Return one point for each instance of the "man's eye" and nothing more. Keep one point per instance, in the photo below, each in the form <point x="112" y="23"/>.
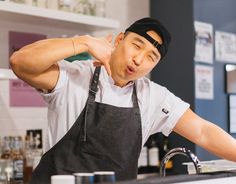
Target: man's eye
<point x="136" y="45"/>
<point x="151" y="58"/>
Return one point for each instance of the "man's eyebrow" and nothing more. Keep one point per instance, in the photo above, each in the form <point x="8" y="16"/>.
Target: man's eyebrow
<point x="142" y="42"/>
<point x="139" y="40"/>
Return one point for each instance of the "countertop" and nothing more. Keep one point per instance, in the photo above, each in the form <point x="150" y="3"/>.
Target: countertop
<point x="189" y="179"/>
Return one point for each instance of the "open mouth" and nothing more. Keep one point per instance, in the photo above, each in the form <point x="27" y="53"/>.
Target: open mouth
<point x="130" y="70"/>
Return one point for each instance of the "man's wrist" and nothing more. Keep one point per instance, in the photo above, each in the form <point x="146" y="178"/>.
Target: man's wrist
<point x="80" y="44"/>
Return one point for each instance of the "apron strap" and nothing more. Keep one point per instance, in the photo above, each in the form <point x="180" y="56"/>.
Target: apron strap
<point x="91" y="98"/>
<point x="94" y="83"/>
<point x="135" y="100"/>
<point x="134" y="96"/>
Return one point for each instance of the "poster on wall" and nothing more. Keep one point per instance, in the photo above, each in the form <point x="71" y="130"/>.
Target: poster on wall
<point x="232" y="113"/>
<point x="204" y="85"/>
<point x="225" y="47"/>
<point x="21" y="94"/>
<point x="203" y="42"/>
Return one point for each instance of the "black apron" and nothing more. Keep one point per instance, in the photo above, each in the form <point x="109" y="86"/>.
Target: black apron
<point x="103" y="138"/>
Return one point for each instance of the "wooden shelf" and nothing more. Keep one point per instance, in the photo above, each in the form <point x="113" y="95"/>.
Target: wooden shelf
<point x="7" y="74"/>
<point x="42" y="16"/>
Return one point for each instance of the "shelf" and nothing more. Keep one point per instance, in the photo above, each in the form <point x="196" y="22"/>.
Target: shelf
<point x="42" y="16"/>
<point x="7" y="74"/>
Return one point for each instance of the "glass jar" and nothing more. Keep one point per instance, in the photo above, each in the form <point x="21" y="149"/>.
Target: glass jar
<point x="84" y="7"/>
<point x="41" y="3"/>
<point x="18" y="1"/>
<point x="52" y="4"/>
<point x="65" y="5"/>
<point x="29" y="2"/>
<point x="100" y="8"/>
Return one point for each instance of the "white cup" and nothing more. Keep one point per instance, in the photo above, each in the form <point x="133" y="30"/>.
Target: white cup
<point x="62" y="179"/>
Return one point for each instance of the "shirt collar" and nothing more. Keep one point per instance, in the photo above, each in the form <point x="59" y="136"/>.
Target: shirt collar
<point x="108" y="79"/>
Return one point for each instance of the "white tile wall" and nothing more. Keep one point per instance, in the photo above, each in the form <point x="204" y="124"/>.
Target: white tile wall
<point x="15" y="121"/>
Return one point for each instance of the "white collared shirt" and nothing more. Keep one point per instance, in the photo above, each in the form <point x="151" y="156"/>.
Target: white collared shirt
<point x="160" y="109"/>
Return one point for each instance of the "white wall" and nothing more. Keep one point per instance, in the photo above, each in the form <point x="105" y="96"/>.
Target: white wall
<point x="15" y="121"/>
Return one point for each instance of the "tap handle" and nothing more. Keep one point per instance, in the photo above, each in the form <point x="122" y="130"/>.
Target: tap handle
<point x="181" y="151"/>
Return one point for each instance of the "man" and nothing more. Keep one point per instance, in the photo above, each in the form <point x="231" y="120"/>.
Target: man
<point x="100" y="118"/>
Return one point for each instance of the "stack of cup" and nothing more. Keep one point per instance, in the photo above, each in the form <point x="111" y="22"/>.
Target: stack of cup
<point x="62" y="179"/>
<point x="84" y="178"/>
<point x="104" y="177"/>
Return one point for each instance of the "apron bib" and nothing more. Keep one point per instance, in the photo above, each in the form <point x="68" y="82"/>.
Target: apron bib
<point x="103" y="138"/>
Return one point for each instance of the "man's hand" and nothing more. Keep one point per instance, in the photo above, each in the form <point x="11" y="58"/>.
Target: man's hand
<point x="101" y="49"/>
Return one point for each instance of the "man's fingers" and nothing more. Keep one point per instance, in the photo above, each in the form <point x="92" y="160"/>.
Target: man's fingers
<point x="109" y="37"/>
<point x="107" y="67"/>
<point x="97" y="63"/>
<point x="105" y="64"/>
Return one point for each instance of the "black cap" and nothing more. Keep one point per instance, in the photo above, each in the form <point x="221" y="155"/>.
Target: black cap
<point x="142" y="26"/>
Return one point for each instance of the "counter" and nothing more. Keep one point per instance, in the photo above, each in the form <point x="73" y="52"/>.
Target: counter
<point x="212" y="177"/>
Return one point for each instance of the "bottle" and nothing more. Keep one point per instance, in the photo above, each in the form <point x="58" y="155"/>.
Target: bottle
<point x="18" y="160"/>
<point x="36" y="145"/>
<point x="6" y="151"/>
<point x="34" y="2"/>
<point x="2" y="163"/>
<point x="65" y="5"/>
<point x="100" y="8"/>
<point x="29" y="2"/>
<point x="169" y="164"/>
<point x="6" y="157"/>
<point x="52" y="4"/>
<point x="41" y="3"/>
<point x="1" y="146"/>
<point x="18" y="1"/>
<point x="83" y="7"/>
<point x="28" y="159"/>
<point x="153" y="153"/>
<point x="143" y="160"/>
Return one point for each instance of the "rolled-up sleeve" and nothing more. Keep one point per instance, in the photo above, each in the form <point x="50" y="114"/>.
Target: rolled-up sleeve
<point x="174" y="108"/>
<point x="50" y="98"/>
<point x="165" y="115"/>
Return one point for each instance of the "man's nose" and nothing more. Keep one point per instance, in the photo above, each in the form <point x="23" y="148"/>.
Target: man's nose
<point x="138" y="59"/>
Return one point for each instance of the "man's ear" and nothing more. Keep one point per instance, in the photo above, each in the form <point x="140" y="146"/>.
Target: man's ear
<point x="119" y="38"/>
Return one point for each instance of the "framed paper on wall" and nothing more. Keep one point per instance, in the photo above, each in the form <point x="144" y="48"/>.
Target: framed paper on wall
<point x="230" y="78"/>
<point x="232" y="113"/>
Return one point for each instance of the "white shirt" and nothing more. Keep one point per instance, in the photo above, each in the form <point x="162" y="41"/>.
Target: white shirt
<point x="159" y="108"/>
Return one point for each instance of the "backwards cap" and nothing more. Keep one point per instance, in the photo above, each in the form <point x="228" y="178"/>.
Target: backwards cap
<point x="144" y="25"/>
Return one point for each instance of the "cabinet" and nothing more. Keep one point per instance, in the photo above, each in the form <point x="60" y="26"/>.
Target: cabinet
<point x="47" y="17"/>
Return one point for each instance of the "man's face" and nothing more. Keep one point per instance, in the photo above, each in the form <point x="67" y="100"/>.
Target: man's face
<point x="134" y="57"/>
